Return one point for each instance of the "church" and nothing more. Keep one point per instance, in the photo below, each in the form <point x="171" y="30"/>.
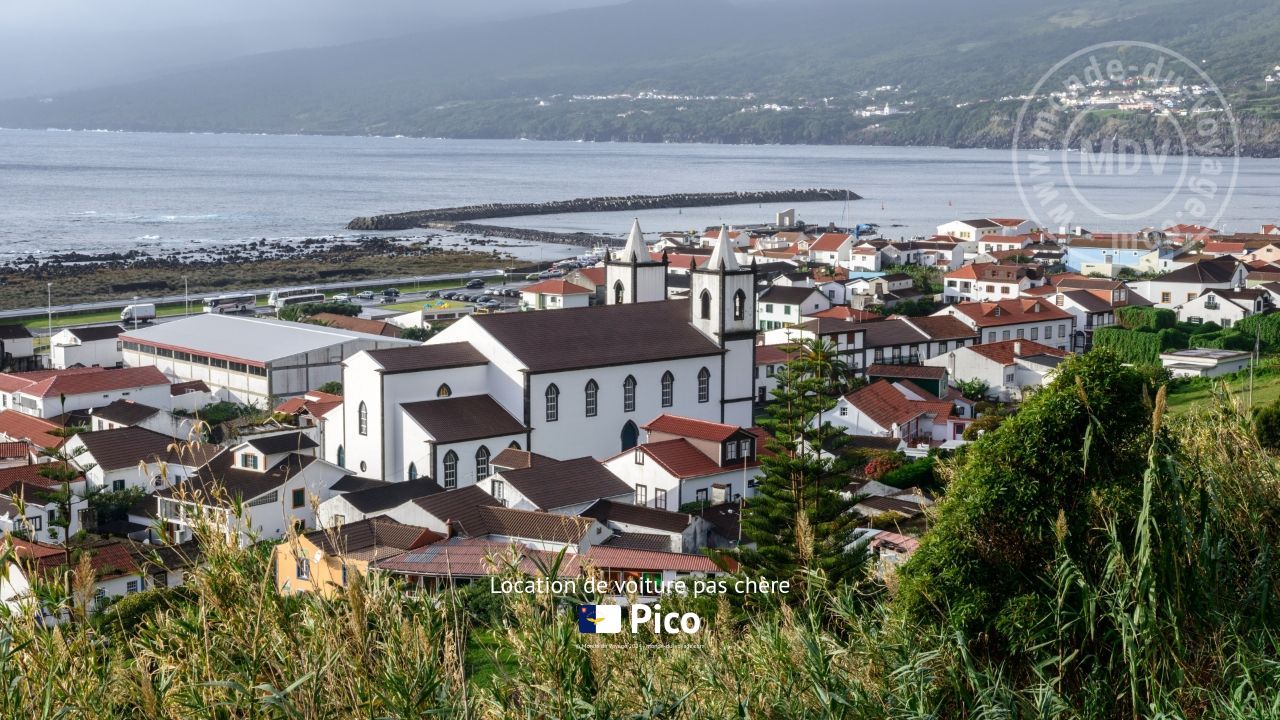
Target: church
<point x="564" y="383"/>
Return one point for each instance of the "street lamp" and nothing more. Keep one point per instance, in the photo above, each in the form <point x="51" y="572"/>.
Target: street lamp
<point x="186" y="300"/>
<point x="49" y="301"/>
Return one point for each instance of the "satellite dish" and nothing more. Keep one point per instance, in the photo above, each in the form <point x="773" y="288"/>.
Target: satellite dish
<point x="317" y="557"/>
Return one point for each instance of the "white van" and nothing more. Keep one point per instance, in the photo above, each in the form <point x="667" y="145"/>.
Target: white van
<point x="145" y="312"/>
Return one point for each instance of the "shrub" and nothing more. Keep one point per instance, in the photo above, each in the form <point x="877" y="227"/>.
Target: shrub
<point x="974" y="389"/>
<point x="1145" y="318"/>
<point x="984" y="424"/>
<point x="1265" y="327"/>
<point x="297" y="312"/>
<point x="917" y="473"/>
<point x="1266" y="425"/>
<point x="333" y="387"/>
<point x="882" y="464"/>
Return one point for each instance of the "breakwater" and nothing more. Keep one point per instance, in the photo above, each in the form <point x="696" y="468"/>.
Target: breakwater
<point x="421" y="218"/>
<point x="539" y="236"/>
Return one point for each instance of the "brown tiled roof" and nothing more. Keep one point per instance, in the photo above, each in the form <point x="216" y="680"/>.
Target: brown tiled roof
<point x="427" y="357"/>
<point x="466" y="417"/>
<point x="772" y="355"/>
<point x="639" y="541"/>
<point x="458" y="507"/>
<point x="885" y="405"/>
<point x="681" y="459"/>
<point x="530" y="524"/>
<point x="124" y="448"/>
<point x="355" y="324"/>
<point x="16" y="449"/>
<point x="281" y="443"/>
<point x="1002" y="352"/>
<point x="549" y="483"/>
<point x="21" y="426"/>
<point x="25" y="475"/>
<point x="605" y="557"/>
<point x="788" y="295"/>
<point x="691" y="427"/>
<point x="892" y="504"/>
<point x="96" y="332"/>
<point x="943" y="327"/>
<point x="1011" y="312"/>
<point x="238" y="483"/>
<point x="190" y="386"/>
<point x="125" y="412"/>
<point x="471" y="557"/>
<point x="314" y="402"/>
<point x="112" y="560"/>
<point x="372" y="538"/>
<point x="512" y="458"/>
<point x="923" y="372"/>
<point x="1217" y="270"/>
<point x="386" y="495"/>
<point x="646" y="517"/>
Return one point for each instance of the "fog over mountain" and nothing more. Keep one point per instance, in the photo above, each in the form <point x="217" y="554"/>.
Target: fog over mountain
<point x="50" y="46"/>
<point x="763" y="71"/>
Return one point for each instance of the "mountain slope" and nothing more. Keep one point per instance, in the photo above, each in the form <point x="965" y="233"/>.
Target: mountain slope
<point x="774" y="72"/>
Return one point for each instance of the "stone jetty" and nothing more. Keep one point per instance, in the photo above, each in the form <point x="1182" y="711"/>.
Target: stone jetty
<point x="426" y="218"/>
<point x="539" y="236"/>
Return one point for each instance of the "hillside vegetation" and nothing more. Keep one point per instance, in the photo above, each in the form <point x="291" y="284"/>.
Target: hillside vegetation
<point x="1092" y="559"/>
<point x="714" y="71"/>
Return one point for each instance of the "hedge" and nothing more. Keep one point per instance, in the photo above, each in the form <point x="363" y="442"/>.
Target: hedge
<point x="1132" y="346"/>
<point x="1266" y="327"/>
<point x="1145" y="318"/>
<point x="1224" y="340"/>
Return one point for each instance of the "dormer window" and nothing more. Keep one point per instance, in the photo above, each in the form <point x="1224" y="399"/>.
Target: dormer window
<point x="731" y="450"/>
<point x="249" y="460"/>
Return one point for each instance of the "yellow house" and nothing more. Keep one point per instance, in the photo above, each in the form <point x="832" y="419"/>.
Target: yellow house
<point x="323" y="561"/>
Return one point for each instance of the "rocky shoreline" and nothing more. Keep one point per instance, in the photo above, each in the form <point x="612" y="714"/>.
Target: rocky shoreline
<point x="425" y="218"/>
<point x="538" y="236"/>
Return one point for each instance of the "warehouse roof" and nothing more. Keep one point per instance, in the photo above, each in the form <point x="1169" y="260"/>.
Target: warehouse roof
<point x="248" y="338"/>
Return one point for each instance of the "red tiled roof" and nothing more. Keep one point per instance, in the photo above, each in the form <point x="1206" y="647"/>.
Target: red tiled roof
<point x="555" y="286"/>
<point x="9" y="450"/>
<point x="828" y="242"/>
<point x="314" y="402"/>
<point x="594" y="274"/>
<point x="989" y="272"/>
<point x="606" y="557"/>
<point x="1184" y="229"/>
<point x="355" y="324"/>
<point x="1002" y="352"/>
<point x="844" y="312"/>
<point x="25" y="475"/>
<point x="886" y="405"/>
<point x="1220" y="246"/>
<point x="111" y="561"/>
<point x="691" y="427"/>
<point x="680" y="260"/>
<point x="1007" y="222"/>
<point x="79" y="381"/>
<point x="190" y="386"/>
<point x="21" y="426"/>
<point x="771" y="355"/>
<point x="681" y="459"/>
<point x="1011" y="312"/>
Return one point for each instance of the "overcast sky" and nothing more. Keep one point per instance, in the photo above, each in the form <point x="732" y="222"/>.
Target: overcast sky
<point x="48" y="46"/>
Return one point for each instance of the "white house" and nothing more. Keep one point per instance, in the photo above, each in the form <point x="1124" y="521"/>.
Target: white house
<point x="648" y="528"/>
<point x="17" y="348"/>
<point x="87" y="346"/>
<point x="1017" y="319"/>
<point x="864" y="258"/>
<point x="561" y="384"/>
<point x="970" y="229"/>
<point x="831" y="248"/>
<point x="276" y="480"/>
<point x="136" y="457"/>
<point x="116" y="573"/>
<point x="780" y="306"/>
<point x="554" y="294"/>
<point x="1007" y="367"/>
<point x="989" y="282"/>
<point x="885" y="409"/>
<point x="528" y="481"/>
<point x="1205" y="362"/>
<point x="1224" y="307"/>
<point x="48" y="393"/>
<point x="1187" y="283"/>
<point x="685" y="460"/>
<point x="30" y="504"/>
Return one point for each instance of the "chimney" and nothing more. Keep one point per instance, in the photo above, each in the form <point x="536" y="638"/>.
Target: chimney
<point x="1017" y="348"/>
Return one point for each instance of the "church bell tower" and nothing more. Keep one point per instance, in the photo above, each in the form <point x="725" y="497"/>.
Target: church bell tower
<point x="722" y="305"/>
<point x="632" y="276"/>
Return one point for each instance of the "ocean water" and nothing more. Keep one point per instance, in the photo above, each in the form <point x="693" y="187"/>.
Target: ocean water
<point x="98" y="191"/>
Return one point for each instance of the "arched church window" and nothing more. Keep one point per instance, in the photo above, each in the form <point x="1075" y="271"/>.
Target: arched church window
<point x="704" y="305"/>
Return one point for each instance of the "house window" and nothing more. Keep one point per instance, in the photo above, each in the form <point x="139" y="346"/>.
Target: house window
<point x="704" y="385"/>
<point x="619" y="293"/>
<point x="249" y="460"/>
<point x="592" y="397"/>
<point x="1004" y="334"/>
<point x="1191" y="296"/>
<point x="668" y="389"/>
<point x="704" y="305"/>
<point x="629" y="394"/>
<point x="303" y="569"/>
<point x="639" y="456"/>
<point x="553" y="403"/>
<point x="499" y="491"/>
<point x="444" y="391"/>
<point x="342" y="456"/>
<point x="131" y="587"/>
<point x="1035" y="333"/>
<point x="744" y="449"/>
<point x="768" y="307"/>
<point x="739" y="305"/>
<point x="1020" y="331"/>
<point x="298" y="498"/>
<point x="363" y="418"/>
<point x="482" y="462"/>
<point x="660" y="498"/>
<point x="450" y="470"/>
<point x="1211" y="303"/>
<point x="117" y="485"/>
<point x="701" y="496"/>
<point x="1048" y="332"/>
<point x="1166" y="298"/>
<point x="35" y="523"/>
<point x="413" y="472"/>
<point x="1062" y="330"/>
<point x="642" y="494"/>
<point x="768" y="370"/>
<point x="731" y="451"/>
<point x="844" y="411"/>
<point x="339" y="520"/>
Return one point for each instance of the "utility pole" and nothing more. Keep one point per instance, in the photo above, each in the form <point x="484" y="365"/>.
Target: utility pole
<point x="186" y="299"/>
<point x="49" y="302"/>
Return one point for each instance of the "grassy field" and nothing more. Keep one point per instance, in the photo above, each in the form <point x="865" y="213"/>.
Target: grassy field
<point x="1266" y="389"/>
<point x="412" y="305"/>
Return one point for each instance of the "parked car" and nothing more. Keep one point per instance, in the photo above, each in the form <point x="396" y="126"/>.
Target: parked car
<point x="431" y="294"/>
<point x="342" y="297"/>
<point x="475" y="284"/>
<point x="366" y="295"/>
<point x="391" y="292"/>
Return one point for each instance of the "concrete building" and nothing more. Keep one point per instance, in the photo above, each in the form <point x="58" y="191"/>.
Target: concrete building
<point x="248" y="359"/>
<point x="49" y="393"/>
<point x="17" y="348"/>
<point x="1204" y="362"/>
<point x="555" y="294"/>
<point x="87" y="346"/>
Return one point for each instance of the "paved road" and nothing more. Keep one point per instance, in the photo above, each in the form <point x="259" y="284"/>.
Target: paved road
<point x="195" y="299"/>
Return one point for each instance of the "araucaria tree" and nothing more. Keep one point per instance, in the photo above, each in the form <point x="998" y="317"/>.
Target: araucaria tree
<point x="798" y="523"/>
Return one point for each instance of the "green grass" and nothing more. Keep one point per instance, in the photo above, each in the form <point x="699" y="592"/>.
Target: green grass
<point x="1266" y="389"/>
<point x="412" y="305"/>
